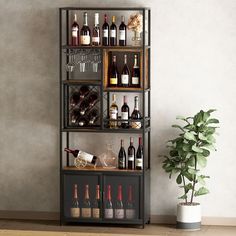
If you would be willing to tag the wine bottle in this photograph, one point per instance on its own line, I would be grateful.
(92, 99)
(74, 99)
(93, 116)
(82, 121)
(136, 115)
(97, 204)
(108, 208)
(113, 73)
(131, 155)
(135, 80)
(130, 207)
(125, 75)
(119, 208)
(113, 113)
(105, 32)
(113, 32)
(139, 156)
(82, 155)
(96, 31)
(85, 34)
(84, 105)
(122, 32)
(83, 91)
(75, 32)
(125, 114)
(75, 115)
(75, 209)
(122, 156)
(86, 209)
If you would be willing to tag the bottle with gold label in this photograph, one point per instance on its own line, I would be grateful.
(113, 113)
(113, 73)
(75, 209)
(86, 208)
(97, 204)
(85, 33)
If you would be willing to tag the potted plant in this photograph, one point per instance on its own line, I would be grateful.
(188, 154)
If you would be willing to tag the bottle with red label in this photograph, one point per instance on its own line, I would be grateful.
(108, 208)
(119, 208)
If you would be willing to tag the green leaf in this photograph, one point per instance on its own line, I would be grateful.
(179, 179)
(202, 137)
(192, 171)
(191, 161)
(183, 197)
(201, 191)
(189, 136)
(196, 149)
(205, 116)
(173, 153)
(178, 126)
(205, 152)
(213, 121)
(211, 110)
(180, 118)
(188, 187)
(201, 180)
(187, 175)
(210, 147)
(201, 160)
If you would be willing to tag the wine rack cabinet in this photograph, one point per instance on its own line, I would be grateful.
(85, 99)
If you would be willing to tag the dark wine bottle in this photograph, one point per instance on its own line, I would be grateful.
(135, 80)
(74, 99)
(125, 75)
(139, 156)
(119, 207)
(130, 206)
(85, 34)
(108, 208)
(113, 73)
(122, 156)
(75, 208)
(113, 32)
(122, 32)
(136, 115)
(93, 116)
(125, 114)
(92, 99)
(105, 32)
(86, 208)
(75, 115)
(75, 32)
(84, 105)
(82, 155)
(96, 31)
(131, 155)
(83, 91)
(97, 204)
(82, 121)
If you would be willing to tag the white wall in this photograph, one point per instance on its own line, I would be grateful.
(193, 68)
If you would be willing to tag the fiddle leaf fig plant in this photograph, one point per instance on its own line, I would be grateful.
(188, 153)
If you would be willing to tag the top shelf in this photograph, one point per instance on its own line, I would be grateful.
(105, 47)
(105, 9)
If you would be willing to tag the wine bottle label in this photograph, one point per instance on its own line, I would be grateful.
(125, 79)
(113, 81)
(135, 80)
(122, 35)
(112, 33)
(131, 158)
(74, 32)
(139, 162)
(136, 125)
(86, 212)
(124, 116)
(75, 212)
(122, 162)
(113, 114)
(105, 33)
(119, 213)
(130, 213)
(95, 39)
(96, 213)
(85, 156)
(85, 39)
(108, 213)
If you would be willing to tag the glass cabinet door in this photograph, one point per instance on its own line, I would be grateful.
(82, 197)
(121, 197)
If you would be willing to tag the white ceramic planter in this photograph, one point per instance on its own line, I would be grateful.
(189, 216)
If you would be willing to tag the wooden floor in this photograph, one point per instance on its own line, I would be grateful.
(51, 228)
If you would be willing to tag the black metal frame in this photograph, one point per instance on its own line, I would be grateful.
(144, 175)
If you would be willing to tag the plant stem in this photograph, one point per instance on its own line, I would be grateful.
(194, 180)
(186, 200)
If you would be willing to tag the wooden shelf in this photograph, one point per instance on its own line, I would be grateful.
(123, 48)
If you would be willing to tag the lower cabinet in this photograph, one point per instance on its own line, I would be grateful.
(102, 197)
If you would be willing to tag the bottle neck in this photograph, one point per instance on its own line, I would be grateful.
(113, 19)
(125, 100)
(125, 59)
(135, 62)
(96, 22)
(109, 193)
(122, 19)
(114, 99)
(131, 142)
(140, 141)
(85, 19)
(73, 152)
(136, 105)
(130, 194)
(86, 194)
(75, 18)
(122, 143)
(98, 192)
(119, 196)
(105, 18)
(75, 192)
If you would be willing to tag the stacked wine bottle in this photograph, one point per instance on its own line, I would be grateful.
(83, 109)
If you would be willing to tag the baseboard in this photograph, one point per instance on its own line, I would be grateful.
(29, 215)
(206, 220)
(155, 219)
